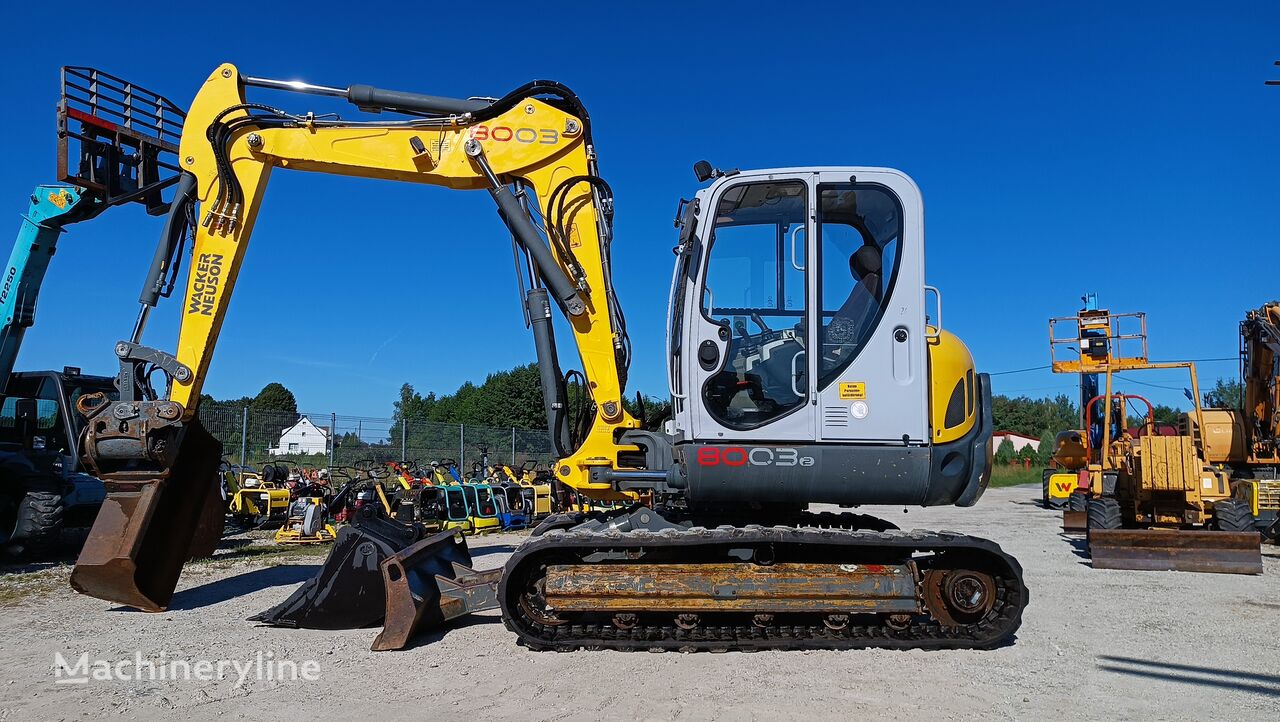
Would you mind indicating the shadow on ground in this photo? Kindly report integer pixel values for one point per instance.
(226, 589)
(1256, 682)
(495, 549)
(439, 633)
(1079, 546)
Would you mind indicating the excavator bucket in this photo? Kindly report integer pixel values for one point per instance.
(384, 570)
(146, 530)
(213, 517)
(427, 584)
(348, 591)
(1175, 550)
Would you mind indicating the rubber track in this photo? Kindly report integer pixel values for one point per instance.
(993, 630)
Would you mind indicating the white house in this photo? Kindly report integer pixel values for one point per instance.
(303, 437)
(1018, 440)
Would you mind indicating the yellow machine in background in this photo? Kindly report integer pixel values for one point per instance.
(1245, 442)
(1069, 457)
(539, 490)
(1144, 494)
(251, 501)
(307, 523)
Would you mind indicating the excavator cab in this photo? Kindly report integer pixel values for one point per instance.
(801, 347)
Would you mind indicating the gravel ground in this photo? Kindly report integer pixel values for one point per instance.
(1094, 644)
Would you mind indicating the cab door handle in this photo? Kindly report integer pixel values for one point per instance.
(795, 375)
(794, 263)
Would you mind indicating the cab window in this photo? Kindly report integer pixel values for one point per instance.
(48, 420)
(754, 289)
(859, 237)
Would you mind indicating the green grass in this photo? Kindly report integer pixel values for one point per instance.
(17, 588)
(1014, 475)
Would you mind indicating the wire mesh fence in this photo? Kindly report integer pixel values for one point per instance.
(253, 437)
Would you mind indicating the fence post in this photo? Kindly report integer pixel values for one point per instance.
(333, 432)
(462, 446)
(513, 446)
(244, 435)
(404, 435)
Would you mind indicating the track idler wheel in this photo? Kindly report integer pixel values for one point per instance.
(959, 596)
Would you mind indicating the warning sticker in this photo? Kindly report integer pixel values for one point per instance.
(853, 390)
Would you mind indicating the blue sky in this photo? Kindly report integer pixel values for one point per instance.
(1087, 147)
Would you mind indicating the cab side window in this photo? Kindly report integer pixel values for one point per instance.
(859, 231)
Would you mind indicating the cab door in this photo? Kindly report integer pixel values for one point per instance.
(870, 351)
(747, 342)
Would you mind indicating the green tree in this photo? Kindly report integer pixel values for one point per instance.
(1226, 394)
(656, 411)
(351, 440)
(275, 397)
(1048, 440)
(1005, 452)
(1162, 414)
(505, 399)
(1028, 453)
(1034, 417)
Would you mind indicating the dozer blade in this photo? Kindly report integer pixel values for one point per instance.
(146, 530)
(348, 591)
(428, 584)
(1075, 522)
(1174, 550)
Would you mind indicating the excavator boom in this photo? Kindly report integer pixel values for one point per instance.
(531, 139)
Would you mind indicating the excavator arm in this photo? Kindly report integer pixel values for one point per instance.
(1260, 369)
(150, 448)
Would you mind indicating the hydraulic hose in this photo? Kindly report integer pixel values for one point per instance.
(164, 262)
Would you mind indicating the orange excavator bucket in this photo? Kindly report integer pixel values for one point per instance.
(149, 527)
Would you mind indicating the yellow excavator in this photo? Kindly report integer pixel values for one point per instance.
(1245, 441)
(801, 361)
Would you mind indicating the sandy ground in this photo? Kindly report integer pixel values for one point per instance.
(1094, 644)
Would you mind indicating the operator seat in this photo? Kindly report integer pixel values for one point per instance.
(850, 320)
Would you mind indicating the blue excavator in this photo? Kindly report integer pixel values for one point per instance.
(117, 144)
